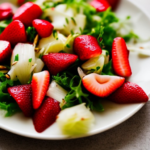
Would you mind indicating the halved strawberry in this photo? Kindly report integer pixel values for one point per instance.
(22, 94)
(46, 114)
(129, 93)
(39, 84)
(102, 85)
(113, 3)
(5, 50)
(27, 13)
(5, 11)
(43, 27)
(100, 5)
(57, 62)
(14, 33)
(120, 60)
(86, 47)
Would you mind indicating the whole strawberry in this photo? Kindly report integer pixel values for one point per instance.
(57, 62)
(43, 27)
(86, 47)
(27, 13)
(129, 93)
(22, 94)
(100, 5)
(14, 33)
(5, 50)
(5, 11)
(120, 59)
(46, 114)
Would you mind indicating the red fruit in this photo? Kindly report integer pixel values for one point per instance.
(129, 93)
(39, 84)
(46, 114)
(57, 62)
(86, 47)
(43, 27)
(27, 13)
(113, 3)
(20, 2)
(102, 85)
(5, 11)
(22, 94)
(5, 50)
(14, 33)
(100, 5)
(120, 60)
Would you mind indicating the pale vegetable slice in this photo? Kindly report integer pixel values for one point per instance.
(39, 65)
(21, 69)
(56, 92)
(76, 120)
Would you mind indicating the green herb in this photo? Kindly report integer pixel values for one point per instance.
(6, 101)
(130, 36)
(68, 46)
(72, 32)
(94, 70)
(30, 60)
(73, 20)
(4, 24)
(67, 21)
(40, 56)
(55, 34)
(108, 69)
(16, 57)
(31, 33)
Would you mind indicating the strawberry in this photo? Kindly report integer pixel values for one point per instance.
(102, 85)
(86, 47)
(27, 13)
(5, 50)
(100, 5)
(20, 2)
(46, 114)
(57, 62)
(22, 94)
(39, 84)
(113, 3)
(129, 93)
(14, 33)
(43, 27)
(5, 11)
(120, 60)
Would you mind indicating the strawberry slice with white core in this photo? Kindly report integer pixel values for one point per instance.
(5, 50)
(102, 85)
(39, 84)
(120, 59)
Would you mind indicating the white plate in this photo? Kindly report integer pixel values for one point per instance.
(114, 114)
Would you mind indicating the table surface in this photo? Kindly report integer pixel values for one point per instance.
(133, 134)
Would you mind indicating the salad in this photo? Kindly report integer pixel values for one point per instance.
(58, 58)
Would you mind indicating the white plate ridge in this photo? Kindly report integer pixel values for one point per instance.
(114, 114)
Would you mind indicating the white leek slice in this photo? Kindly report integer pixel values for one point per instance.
(39, 65)
(76, 120)
(26, 60)
(56, 92)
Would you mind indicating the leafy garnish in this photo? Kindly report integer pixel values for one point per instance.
(67, 21)
(4, 24)
(73, 20)
(16, 57)
(55, 34)
(31, 33)
(30, 60)
(94, 70)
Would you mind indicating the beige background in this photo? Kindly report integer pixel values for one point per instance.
(134, 134)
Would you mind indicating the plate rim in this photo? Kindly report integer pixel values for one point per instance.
(46, 137)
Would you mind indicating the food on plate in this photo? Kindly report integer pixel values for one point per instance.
(62, 57)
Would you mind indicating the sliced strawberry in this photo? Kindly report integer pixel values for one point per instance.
(100, 5)
(129, 93)
(46, 114)
(5, 50)
(120, 60)
(5, 11)
(27, 13)
(22, 94)
(86, 47)
(39, 84)
(14, 33)
(102, 85)
(43, 27)
(57, 62)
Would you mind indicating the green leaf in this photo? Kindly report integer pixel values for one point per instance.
(16, 57)
(31, 33)
(55, 34)
(30, 60)
(73, 21)
(4, 24)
